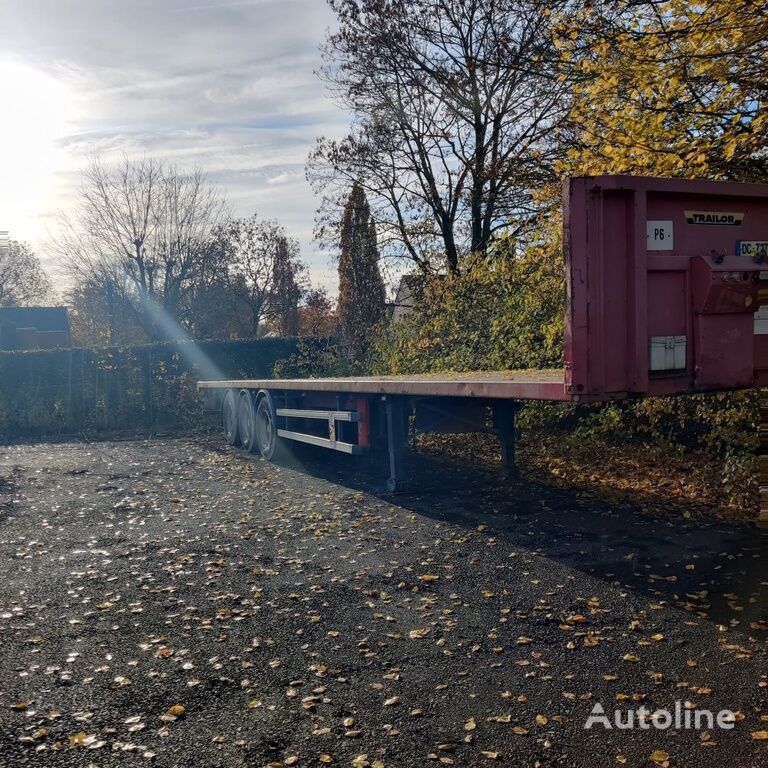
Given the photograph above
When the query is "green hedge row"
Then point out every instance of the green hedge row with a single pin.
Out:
(64, 391)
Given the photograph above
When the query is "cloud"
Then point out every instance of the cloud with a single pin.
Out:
(228, 86)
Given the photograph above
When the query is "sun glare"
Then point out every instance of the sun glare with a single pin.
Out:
(34, 108)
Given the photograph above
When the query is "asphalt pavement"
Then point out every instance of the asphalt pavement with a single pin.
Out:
(177, 603)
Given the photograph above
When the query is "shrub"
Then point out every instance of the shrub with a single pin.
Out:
(502, 312)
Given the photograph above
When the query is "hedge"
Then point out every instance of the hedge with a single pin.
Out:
(66, 391)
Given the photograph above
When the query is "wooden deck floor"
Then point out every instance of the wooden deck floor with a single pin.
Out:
(544, 384)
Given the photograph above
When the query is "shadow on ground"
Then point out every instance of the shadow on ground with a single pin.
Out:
(715, 571)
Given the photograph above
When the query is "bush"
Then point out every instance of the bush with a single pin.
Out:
(318, 358)
(501, 313)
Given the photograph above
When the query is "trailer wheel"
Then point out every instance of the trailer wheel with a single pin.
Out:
(266, 426)
(229, 418)
(246, 420)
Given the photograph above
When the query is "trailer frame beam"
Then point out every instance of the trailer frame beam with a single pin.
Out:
(323, 442)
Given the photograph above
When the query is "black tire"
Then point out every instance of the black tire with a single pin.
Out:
(246, 421)
(265, 427)
(229, 418)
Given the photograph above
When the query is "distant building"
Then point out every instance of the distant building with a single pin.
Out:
(34, 328)
(410, 291)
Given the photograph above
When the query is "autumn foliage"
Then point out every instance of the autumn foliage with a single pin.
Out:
(668, 89)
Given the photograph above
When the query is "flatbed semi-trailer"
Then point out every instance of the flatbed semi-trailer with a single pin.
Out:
(663, 280)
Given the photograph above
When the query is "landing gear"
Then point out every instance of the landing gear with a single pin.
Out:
(762, 458)
(504, 426)
(397, 442)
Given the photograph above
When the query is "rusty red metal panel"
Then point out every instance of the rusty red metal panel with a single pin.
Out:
(362, 405)
(663, 281)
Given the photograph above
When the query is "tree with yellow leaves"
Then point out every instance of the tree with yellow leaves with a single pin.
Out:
(671, 88)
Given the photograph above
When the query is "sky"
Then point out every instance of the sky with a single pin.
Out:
(225, 85)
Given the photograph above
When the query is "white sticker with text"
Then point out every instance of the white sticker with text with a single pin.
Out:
(660, 235)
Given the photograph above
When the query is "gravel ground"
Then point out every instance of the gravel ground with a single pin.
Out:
(177, 603)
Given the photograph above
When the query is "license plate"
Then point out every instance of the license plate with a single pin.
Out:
(752, 248)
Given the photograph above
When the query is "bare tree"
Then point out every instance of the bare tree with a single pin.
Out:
(454, 104)
(246, 249)
(261, 269)
(22, 278)
(145, 221)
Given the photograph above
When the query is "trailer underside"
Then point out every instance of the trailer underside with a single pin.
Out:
(375, 414)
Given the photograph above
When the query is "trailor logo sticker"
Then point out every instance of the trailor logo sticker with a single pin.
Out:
(726, 218)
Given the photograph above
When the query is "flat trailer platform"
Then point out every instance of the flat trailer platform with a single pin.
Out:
(663, 277)
(545, 384)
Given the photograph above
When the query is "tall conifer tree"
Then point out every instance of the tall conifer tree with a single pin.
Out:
(361, 287)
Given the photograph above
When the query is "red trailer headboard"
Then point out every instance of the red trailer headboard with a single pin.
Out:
(665, 277)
